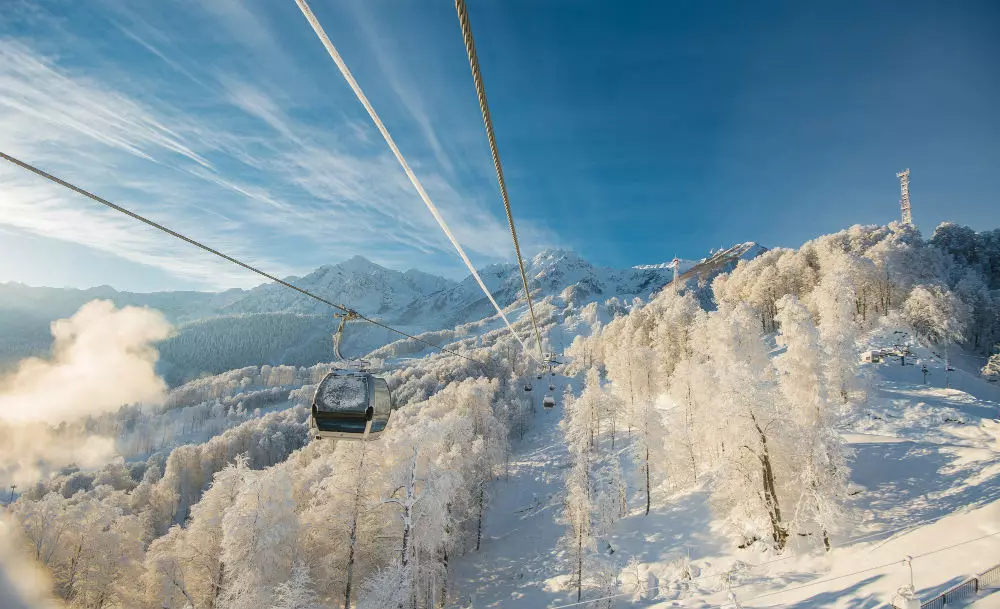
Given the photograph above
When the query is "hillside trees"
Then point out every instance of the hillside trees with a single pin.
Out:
(747, 403)
(822, 478)
(936, 314)
(763, 425)
(835, 303)
(213, 525)
(992, 368)
(259, 533)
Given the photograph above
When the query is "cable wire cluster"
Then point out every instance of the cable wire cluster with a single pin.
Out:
(414, 180)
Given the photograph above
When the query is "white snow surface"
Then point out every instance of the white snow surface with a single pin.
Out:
(345, 392)
(925, 470)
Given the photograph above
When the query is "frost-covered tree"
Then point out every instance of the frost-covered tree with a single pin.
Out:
(44, 524)
(834, 300)
(750, 410)
(407, 499)
(297, 592)
(578, 540)
(936, 314)
(992, 368)
(983, 327)
(822, 476)
(259, 534)
(386, 588)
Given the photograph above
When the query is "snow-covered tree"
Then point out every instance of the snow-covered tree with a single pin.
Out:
(297, 592)
(992, 368)
(386, 588)
(578, 540)
(835, 302)
(936, 314)
(822, 474)
(750, 411)
(259, 534)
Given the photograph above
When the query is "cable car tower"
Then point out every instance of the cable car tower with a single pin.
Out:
(677, 267)
(904, 200)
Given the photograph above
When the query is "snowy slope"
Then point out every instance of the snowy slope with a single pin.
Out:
(517, 556)
(925, 469)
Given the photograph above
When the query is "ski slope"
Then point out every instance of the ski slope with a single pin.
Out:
(518, 565)
(926, 484)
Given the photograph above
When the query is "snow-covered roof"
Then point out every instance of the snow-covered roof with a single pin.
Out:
(339, 392)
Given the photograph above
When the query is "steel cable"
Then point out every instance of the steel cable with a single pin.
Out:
(359, 93)
(477, 77)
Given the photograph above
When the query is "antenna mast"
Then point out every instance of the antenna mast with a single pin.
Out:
(904, 200)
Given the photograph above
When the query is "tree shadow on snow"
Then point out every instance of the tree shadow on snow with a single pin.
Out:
(669, 530)
(963, 402)
(858, 599)
(910, 482)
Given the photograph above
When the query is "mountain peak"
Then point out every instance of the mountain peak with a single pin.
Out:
(360, 264)
(551, 256)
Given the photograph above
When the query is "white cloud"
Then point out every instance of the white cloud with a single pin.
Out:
(102, 358)
(230, 162)
(24, 584)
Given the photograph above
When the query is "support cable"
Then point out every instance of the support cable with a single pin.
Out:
(226, 257)
(332, 50)
(477, 77)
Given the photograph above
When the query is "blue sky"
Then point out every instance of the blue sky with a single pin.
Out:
(629, 133)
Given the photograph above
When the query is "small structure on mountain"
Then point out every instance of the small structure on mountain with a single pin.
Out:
(872, 356)
(904, 200)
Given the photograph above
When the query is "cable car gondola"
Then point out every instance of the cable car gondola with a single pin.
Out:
(527, 386)
(350, 404)
(548, 401)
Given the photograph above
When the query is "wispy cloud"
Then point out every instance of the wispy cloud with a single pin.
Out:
(285, 179)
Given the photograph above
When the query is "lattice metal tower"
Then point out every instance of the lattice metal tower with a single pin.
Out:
(904, 200)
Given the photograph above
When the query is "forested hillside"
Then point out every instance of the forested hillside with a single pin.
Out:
(722, 439)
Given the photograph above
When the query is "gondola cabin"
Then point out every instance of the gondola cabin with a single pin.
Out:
(351, 405)
(527, 386)
(549, 401)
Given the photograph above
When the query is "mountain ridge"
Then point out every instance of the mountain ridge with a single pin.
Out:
(269, 324)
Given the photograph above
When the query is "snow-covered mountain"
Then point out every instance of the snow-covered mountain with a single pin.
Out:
(271, 324)
(627, 490)
(358, 283)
